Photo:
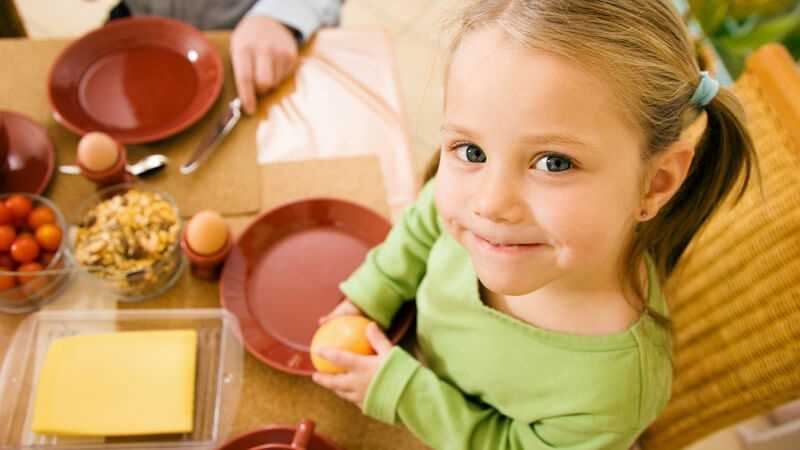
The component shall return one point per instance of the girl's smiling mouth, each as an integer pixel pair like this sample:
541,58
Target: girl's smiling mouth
504,246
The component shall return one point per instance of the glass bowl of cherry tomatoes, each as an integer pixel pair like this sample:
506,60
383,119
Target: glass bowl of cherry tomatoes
34,264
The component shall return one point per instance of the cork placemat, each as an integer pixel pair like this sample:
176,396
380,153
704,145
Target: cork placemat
232,183
226,182
268,395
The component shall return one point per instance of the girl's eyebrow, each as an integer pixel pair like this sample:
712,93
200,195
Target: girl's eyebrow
532,139
458,130
553,138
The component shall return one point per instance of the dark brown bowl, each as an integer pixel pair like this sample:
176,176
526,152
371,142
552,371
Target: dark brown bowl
29,158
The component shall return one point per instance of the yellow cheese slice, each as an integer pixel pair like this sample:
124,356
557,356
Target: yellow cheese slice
118,384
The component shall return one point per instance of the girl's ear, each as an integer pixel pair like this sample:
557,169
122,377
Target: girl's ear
666,174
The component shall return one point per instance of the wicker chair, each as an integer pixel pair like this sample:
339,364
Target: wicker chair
735,295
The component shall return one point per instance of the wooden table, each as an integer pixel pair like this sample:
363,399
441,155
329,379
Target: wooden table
269,396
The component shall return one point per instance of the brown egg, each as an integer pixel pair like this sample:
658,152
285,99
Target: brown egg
98,151
206,232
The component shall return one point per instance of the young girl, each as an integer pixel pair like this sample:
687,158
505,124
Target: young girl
565,193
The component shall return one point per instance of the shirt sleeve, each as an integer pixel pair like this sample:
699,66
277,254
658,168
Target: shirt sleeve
306,16
393,270
441,415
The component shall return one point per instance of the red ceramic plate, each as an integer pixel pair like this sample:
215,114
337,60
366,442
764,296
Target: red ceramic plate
138,79
28,156
283,274
275,435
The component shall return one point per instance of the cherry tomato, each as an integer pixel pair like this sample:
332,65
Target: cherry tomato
5,214
19,205
7,282
28,268
40,216
7,236
21,225
46,258
25,249
49,236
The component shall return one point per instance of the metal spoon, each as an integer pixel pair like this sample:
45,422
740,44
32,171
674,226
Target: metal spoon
148,165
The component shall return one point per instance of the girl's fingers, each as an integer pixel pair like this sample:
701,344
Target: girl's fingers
339,383
377,339
351,397
330,316
345,360
345,308
324,319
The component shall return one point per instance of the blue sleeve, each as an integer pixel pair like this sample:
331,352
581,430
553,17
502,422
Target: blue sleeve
306,16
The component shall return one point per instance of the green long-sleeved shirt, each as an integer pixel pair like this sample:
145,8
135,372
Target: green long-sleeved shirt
493,381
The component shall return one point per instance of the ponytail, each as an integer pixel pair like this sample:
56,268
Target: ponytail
724,157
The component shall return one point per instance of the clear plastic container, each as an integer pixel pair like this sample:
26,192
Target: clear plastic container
144,282
218,378
44,286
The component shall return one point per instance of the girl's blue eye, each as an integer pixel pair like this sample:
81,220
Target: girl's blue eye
553,163
471,153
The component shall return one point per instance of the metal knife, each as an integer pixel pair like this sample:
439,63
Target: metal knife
214,136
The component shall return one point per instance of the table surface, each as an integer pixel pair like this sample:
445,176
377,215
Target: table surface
272,397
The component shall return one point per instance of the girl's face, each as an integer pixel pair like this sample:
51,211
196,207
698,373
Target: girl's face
540,174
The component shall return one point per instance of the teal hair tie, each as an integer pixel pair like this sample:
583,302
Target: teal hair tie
706,90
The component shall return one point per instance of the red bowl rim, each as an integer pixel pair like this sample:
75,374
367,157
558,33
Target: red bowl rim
136,22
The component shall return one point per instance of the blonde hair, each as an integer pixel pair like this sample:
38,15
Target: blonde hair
643,49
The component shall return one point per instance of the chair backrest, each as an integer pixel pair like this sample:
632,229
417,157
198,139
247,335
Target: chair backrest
735,295
10,22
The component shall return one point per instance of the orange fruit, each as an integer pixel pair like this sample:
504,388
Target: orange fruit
348,333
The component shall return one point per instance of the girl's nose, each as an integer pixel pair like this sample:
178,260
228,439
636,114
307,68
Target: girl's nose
498,199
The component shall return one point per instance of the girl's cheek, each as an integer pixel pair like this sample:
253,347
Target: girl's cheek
449,197
573,216
445,210
445,202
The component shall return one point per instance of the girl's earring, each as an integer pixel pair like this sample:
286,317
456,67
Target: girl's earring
643,214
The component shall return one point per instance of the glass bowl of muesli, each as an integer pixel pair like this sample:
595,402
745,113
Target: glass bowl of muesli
128,237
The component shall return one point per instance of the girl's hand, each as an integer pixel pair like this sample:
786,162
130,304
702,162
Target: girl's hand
360,369
345,308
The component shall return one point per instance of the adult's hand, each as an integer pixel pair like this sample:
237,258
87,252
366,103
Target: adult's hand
264,53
